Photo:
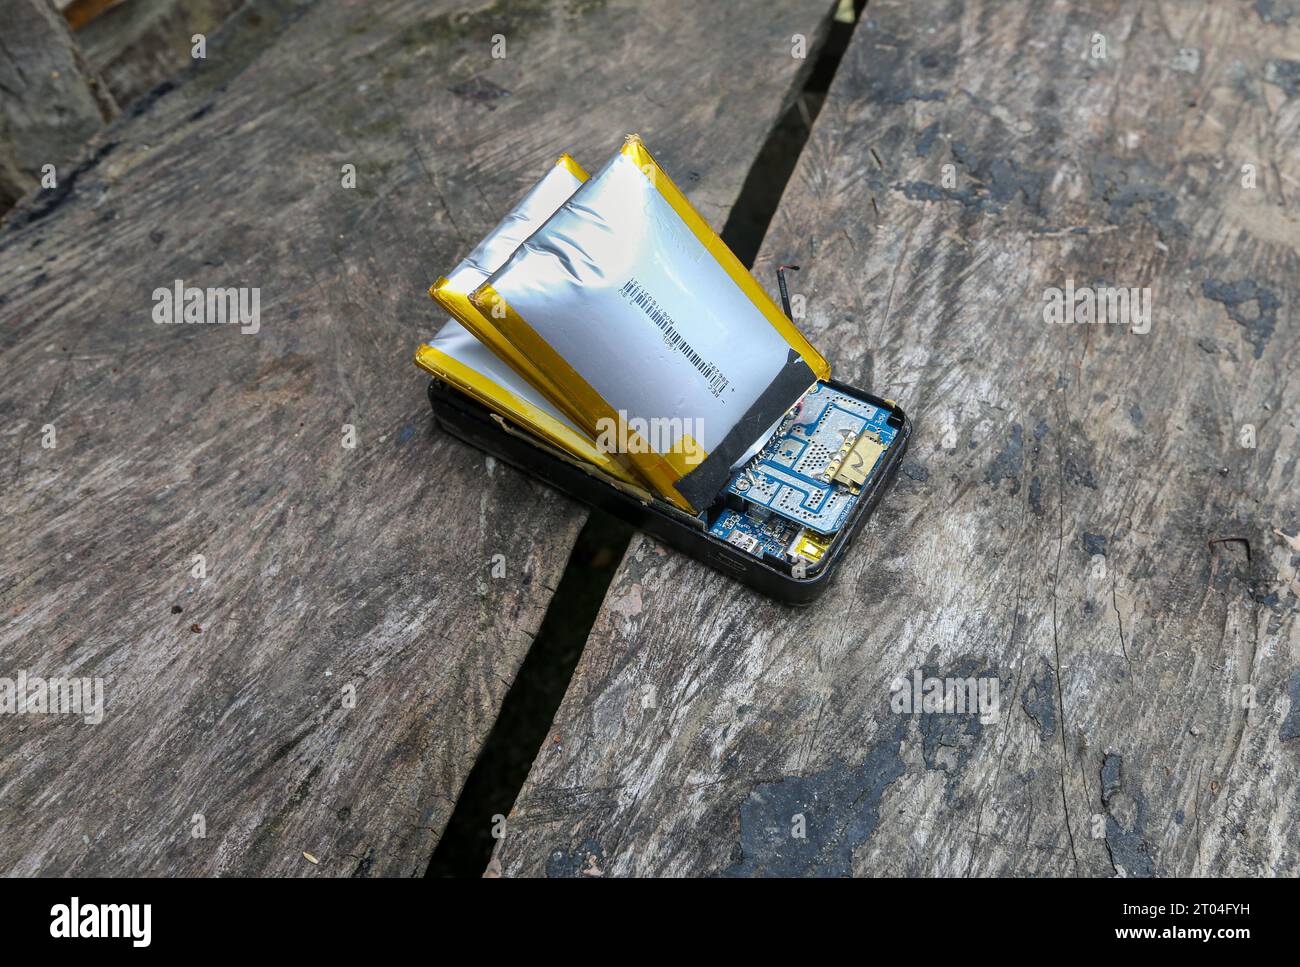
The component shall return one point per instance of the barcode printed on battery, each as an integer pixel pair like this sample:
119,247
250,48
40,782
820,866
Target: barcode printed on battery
635,293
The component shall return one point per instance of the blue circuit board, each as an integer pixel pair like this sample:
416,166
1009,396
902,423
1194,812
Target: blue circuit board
772,535
787,475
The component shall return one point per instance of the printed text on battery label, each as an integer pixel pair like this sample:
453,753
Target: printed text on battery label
639,297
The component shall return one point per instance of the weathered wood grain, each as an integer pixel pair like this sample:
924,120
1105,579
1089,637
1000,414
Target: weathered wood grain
51,99
329,571
138,45
1078,517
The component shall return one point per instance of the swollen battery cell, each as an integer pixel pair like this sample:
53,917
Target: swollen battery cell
651,329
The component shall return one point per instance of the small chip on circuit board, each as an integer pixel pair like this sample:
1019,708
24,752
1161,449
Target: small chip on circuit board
770,536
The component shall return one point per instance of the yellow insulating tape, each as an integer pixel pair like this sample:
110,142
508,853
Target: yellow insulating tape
575,169
448,295
588,408
517,409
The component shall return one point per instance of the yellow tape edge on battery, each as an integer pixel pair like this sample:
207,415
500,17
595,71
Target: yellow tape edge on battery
590,408
566,161
457,303
513,407
467,314
635,150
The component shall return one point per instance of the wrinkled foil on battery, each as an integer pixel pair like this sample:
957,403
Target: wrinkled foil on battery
463,358
657,339
452,291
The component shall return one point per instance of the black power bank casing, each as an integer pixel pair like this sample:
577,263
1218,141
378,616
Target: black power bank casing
474,423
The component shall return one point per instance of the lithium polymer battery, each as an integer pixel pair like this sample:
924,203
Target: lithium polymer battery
652,333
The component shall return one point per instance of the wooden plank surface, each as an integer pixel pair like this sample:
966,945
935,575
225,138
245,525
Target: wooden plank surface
325,688
1079,518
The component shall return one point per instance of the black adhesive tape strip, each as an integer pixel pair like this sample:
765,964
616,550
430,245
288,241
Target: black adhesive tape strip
703,483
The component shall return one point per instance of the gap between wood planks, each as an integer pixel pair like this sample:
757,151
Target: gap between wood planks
523,723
